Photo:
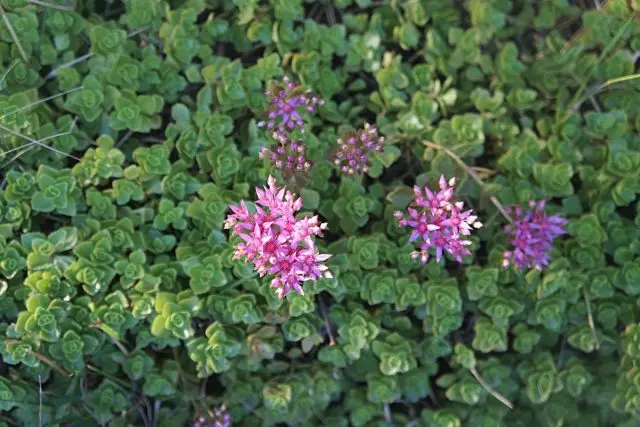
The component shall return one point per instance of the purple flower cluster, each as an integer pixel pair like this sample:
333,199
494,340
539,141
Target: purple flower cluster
355,148
276,242
280,245
286,155
287,101
437,221
532,235
219,418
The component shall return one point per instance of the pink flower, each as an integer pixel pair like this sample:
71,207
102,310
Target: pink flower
355,149
532,235
438,222
276,242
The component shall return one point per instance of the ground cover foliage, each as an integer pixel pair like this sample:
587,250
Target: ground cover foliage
128,129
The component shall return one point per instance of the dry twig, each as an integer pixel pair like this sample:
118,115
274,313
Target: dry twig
490,389
471,173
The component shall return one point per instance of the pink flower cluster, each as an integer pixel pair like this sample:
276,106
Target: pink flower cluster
276,242
532,235
438,222
286,155
355,148
286,101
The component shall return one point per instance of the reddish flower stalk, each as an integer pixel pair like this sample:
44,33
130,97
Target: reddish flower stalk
276,242
438,222
532,235
355,149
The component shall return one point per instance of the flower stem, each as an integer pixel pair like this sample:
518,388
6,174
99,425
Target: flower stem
40,101
44,359
243,279
471,173
120,346
40,141
185,385
52,6
116,380
115,340
490,389
576,101
327,326
387,414
587,302
84,57
14,36
40,400
8,421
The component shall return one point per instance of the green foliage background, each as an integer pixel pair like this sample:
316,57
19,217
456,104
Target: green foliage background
118,292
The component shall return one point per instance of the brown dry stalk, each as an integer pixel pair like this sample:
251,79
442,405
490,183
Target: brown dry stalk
471,173
490,389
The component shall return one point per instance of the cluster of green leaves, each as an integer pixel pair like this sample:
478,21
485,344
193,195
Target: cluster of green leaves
119,292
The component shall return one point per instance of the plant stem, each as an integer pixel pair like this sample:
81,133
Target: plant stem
243,279
31,144
14,36
387,414
599,88
116,380
12,31
52,6
587,302
116,341
39,142
40,101
44,359
40,400
8,421
53,73
120,346
327,326
52,364
6,73
185,384
484,170
124,139
471,173
579,93
490,389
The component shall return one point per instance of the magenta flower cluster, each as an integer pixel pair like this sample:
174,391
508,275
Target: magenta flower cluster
438,222
218,418
286,155
280,245
355,148
531,235
286,101
276,242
